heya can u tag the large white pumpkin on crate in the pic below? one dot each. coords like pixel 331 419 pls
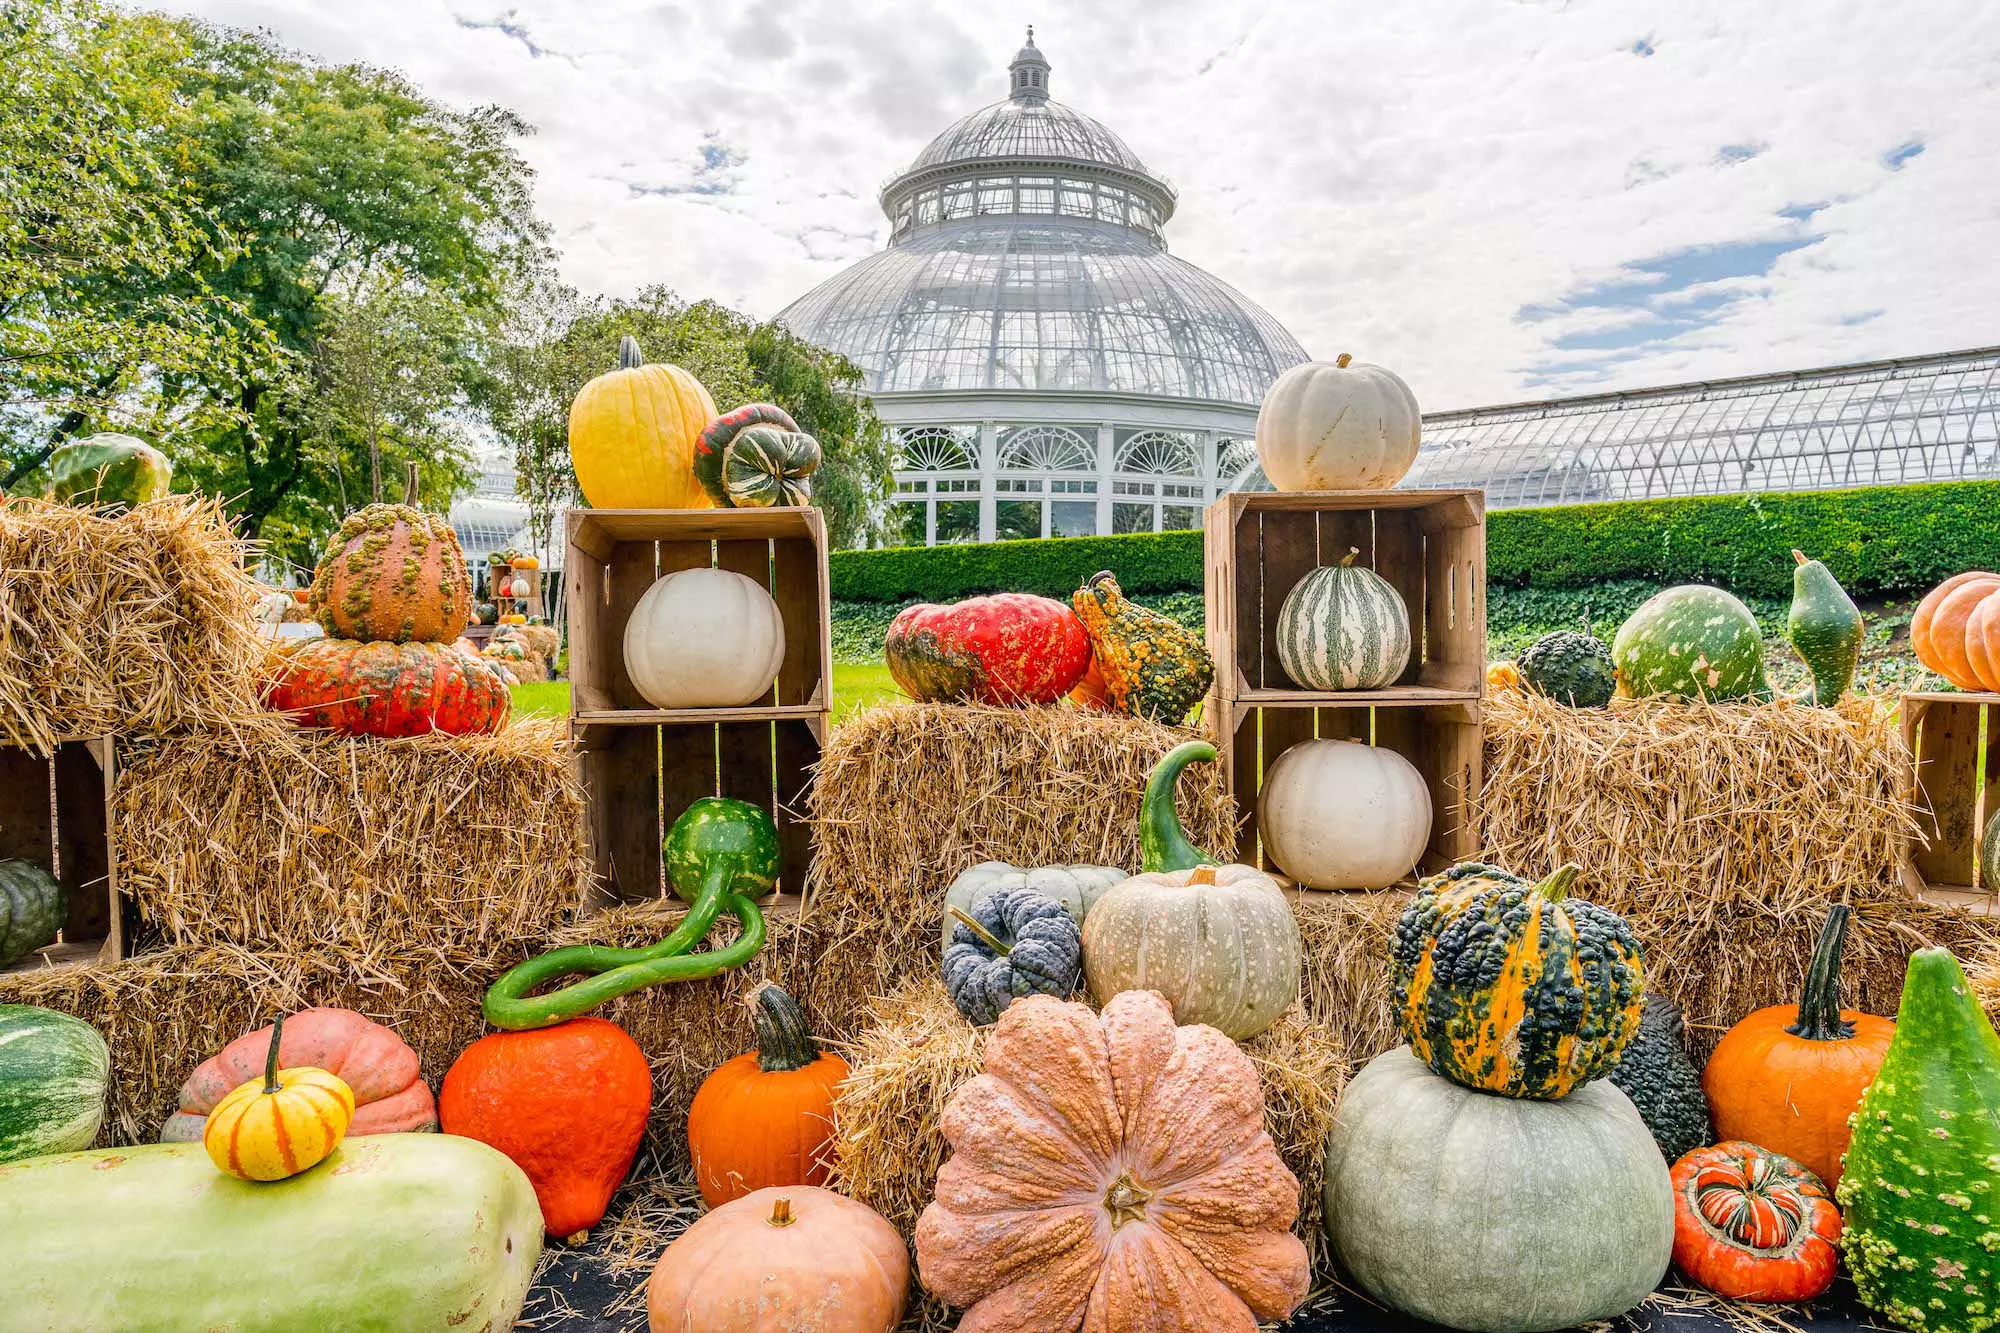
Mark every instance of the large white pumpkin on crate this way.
pixel 1339 425
pixel 704 638
pixel 1343 815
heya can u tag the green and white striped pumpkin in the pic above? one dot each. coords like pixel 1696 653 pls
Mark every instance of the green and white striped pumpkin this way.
pixel 54 1071
pixel 1343 628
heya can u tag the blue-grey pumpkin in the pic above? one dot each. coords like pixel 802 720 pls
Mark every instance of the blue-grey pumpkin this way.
pixel 1014 942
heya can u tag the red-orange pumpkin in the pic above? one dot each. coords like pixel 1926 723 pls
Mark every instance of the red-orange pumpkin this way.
pixel 1011 648
pixel 390 1095
pixel 392 573
pixel 766 1117
pixel 1753 1225
pixel 567 1103
pixel 388 689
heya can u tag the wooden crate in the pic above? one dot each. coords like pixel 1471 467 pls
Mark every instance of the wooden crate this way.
pixel 58 813
pixel 1954 740
pixel 1443 741
pixel 1429 545
pixel 642 765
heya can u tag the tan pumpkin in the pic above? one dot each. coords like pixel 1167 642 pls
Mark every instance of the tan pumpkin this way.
pixel 1338 425
pixel 632 435
pixel 788 1259
pixel 1111 1172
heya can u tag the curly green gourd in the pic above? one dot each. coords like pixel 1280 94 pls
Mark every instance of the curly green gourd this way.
pixel 721 854
pixel 1163 843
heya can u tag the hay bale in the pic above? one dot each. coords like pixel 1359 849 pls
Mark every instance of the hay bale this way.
pixel 273 837
pixel 907 796
pixel 139 623
pixel 918 1051
pixel 1344 972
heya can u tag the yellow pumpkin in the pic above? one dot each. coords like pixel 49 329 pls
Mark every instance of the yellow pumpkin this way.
pixel 632 435
pixel 1503 676
pixel 526 562
pixel 281 1124
pixel 515 619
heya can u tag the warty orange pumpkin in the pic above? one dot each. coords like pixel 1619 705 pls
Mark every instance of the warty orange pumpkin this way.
pixel 281 1124
pixel 632 435
pixel 392 574
pixel 766 1117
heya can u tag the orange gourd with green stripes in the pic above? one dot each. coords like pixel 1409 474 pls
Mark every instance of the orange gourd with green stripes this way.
pixel 1512 987
pixel 281 1124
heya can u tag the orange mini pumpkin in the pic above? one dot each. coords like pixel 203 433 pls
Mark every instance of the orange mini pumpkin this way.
pixel 276 1126
pixel 1788 1077
pixel 766 1117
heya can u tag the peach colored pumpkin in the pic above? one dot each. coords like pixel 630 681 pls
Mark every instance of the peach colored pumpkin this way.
pixel 787 1259
pixel 1948 631
pixel 390 1095
pixel 1982 641
pixel 1111 1172
pixel 1920 620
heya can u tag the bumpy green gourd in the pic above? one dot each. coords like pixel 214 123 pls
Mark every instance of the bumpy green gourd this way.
pixel 720 854
pixel 109 469
pixel 1663 1083
pixel 1825 627
pixel 1921 1187
pixel 1570 666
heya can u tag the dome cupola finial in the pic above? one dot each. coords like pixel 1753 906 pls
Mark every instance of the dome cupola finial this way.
pixel 1029 73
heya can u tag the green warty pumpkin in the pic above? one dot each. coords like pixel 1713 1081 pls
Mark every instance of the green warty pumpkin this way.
pixel 32 909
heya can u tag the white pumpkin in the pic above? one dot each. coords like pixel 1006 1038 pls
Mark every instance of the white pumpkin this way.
pixel 1343 815
pixel 1077 888
pixel 1338 426
pixel 704 638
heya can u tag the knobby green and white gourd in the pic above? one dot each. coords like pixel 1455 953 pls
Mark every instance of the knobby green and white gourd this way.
pixel 754 457
pixel 1663 1083
pixel 1344 627
pixel 1077 888
pixel 1572 667
pixel 1825 627
pixel 1922 1180
pixel 721 855
pixel 1219 941
pixel 54 1073
pixel 1691 642
pixel 1490 1213
pixel 33 907
pixel 1013 942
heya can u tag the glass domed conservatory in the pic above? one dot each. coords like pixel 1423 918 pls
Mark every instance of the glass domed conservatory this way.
pixel 1049 368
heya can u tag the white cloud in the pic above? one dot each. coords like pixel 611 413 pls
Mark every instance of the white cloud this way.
pixel 1421 184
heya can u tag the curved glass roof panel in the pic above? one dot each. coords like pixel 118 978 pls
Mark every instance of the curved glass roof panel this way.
pixel 1013 128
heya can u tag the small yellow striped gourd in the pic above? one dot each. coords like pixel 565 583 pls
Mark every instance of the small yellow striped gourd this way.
pixel 279 1125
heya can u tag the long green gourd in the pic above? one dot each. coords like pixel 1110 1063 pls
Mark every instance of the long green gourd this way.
pixel 1921 1185
pixel 1825 627
pixel 1163 843
pixel 721 855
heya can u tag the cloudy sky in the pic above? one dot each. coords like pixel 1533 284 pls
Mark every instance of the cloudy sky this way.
pixel 1500 200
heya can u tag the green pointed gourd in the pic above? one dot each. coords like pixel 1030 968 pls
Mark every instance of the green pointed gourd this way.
pixel 721 855
pixel 1825 627
pixel 1163 843
pixel 1921 1186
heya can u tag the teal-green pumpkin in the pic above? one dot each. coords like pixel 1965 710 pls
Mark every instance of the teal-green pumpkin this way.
pixel 1825 627
pixel 1691 642
pixel 1921 1184
pixel 32 909
pixel 109 470
pixel 54 1071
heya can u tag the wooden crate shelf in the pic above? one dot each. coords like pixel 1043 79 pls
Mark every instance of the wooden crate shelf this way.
pixel 1429 545
pixel 1954 795
pixel 641 765
pixel 57 811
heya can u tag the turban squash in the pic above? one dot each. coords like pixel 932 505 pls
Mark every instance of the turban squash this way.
pixel 1753 1225
pixel 754 457
pixel 1111 1172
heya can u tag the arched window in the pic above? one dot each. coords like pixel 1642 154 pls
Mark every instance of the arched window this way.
pixel 1046 449
pixel 1232 456
pixel 939 449
pixel 1158 453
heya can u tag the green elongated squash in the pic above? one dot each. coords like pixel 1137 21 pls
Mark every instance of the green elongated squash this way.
pixel 1921 1186
pixel 1825 627
pixel 54 1072
pixel 394 1233
pixel 1691 642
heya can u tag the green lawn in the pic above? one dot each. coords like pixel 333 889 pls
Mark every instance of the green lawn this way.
pixel 855 686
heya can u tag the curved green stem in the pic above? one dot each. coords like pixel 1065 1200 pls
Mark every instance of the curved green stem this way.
pixel 1819 1006
pixel 1163 843
pixel 1557 886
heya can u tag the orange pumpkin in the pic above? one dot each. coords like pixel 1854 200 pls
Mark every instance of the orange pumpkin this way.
pixel 795 1259
pixel 567 1103
pixel 1943 647
pixel 1111 1172
pixel 1920 620
pixel 1787 1078
pixel 766 1117
pixel 281 1124
pixel 1982 641
pixel 392 574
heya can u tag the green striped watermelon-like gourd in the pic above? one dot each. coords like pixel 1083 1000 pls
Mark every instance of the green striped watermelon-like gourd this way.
pixel 1691 642
pixel 54 1071
pixel 1343 628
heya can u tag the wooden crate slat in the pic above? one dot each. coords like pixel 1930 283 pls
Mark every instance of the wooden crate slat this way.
pixel 630 572
pixel 1290 552
pixel 1399 559
pixel 624 780
pixel 1947 783
pixel 59 812
pixel 83 843
pixel 1240 744
pixel 798 583
pixel 743 759
pixel 798 750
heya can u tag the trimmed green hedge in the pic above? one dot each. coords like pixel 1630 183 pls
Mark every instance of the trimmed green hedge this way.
pixel 1881 540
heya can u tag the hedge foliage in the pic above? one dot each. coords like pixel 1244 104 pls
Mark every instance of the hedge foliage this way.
pixel 1878 541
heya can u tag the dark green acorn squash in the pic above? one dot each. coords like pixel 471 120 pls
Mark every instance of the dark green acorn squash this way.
pixel 1570 667
pixel 32 909
pixel 1657 1075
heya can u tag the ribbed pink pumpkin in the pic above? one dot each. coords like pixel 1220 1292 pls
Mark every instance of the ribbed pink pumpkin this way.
pixel 390 1095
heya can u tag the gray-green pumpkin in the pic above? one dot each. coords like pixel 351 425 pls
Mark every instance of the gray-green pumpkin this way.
pixel 1077 888
pixel 1495 1214
pixel 1691 642
pixel 1570 666
pixel 32 909
pixel 109 469
pixel 1014 942
pixel 1343 627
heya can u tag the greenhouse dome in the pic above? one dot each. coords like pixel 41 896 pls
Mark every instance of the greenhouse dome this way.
pixel 1049 367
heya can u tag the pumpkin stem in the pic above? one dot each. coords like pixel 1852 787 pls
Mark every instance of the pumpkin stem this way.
pixel 1163 843
pixel 986 937
pixel 1342 360
pixel 271 1061
pixel 1347 561
pixel 781 1213
pixel 1126 1200
pixel 1557 886
pixel 1819 1004
pixel 784 1041
pixel 1799 556
pixel 1202 875
pixel 629 355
